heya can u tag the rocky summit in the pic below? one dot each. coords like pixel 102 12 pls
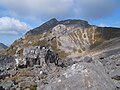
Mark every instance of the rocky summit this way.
pixel 63 55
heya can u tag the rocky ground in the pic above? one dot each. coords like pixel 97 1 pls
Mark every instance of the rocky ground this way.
pixel 86 73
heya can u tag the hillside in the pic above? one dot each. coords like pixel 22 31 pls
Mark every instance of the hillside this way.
pixel 68 38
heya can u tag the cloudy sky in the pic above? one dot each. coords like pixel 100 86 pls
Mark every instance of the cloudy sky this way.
pixel 19 16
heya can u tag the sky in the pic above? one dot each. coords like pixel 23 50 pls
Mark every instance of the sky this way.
pixel 19 16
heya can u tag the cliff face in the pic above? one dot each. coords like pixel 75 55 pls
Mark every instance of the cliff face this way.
pixel 76 40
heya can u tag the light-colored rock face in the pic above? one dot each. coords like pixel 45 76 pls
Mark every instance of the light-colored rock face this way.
pixel 83 76
pixel 75 40
pixel 33 52
pixel 59 30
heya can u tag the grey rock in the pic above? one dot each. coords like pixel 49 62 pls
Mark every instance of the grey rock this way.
pixel 88 59
pixel 1 88
pixel 115 74
pixel 36 55
pixel 7 85
pixel 83 76
pixel 6 61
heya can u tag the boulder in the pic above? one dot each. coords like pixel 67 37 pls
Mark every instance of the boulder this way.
pixel 36 55
pixel 6 85
pixel 83 76
pixel 1 88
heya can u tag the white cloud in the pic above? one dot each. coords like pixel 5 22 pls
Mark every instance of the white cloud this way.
pixel 12 26
pixel 114 24
pixel 103 25
pixel 9 32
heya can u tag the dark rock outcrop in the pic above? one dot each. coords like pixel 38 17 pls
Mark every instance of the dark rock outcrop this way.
pixel 43 28
pixel 6 62
pixel 1 88
pixel 37 56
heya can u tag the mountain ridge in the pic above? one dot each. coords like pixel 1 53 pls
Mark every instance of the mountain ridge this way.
pixel 66 37
pixel 52 23
pixel 2 46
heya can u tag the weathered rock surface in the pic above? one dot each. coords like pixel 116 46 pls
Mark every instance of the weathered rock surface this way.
pixel 78 74
pixel 83 76
pixel 5 60
pixel 112 67
pixel 37 56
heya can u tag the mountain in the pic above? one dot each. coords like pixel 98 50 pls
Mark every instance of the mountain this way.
pixel 63 55
pixel 2 46
pixel 68 38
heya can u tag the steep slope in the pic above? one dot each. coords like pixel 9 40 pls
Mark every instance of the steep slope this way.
pixel 68 38
pixel 43 28
pixel 2 46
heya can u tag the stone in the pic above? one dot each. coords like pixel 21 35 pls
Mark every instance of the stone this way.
pixel 36 55
pixel 88 59
pixel 115 74
pixel 83 76
pixel 7 85
pixel 1 88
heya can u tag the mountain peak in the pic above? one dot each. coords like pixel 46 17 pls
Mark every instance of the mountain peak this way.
pixel 44 27
pixel 2 46
pixel 53 22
